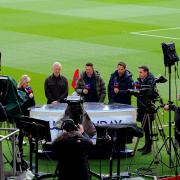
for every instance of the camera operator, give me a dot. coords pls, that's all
(70, 148)
(143, 104)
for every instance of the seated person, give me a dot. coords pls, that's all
(70, 148)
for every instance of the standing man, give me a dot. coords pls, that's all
(143, 103)
(91, 85)
(119, 82)
(56, 86)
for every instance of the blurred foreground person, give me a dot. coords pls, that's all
(71, 147)
(56, 85)
(91, 85)
(119, 82)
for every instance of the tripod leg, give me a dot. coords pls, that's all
(136, 145)
(148, 132)
(18, 157)
(16, 162)
(2, 162)
(31, 153)
(176, 153)
(56, 173)
(134, 152)
(161, 132)
(147, 127)
(36, 156)
(111, 162)
(118, 160)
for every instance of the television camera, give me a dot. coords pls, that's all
(74, 110)
(148, 93)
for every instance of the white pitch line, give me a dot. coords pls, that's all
(143, 33)
(164, 29)
(152, 35)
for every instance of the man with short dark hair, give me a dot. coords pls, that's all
(91, 85)
(56, 85)
(120, 81)
(145, 78)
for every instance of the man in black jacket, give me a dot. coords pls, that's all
(56, 85)
(144, 114)
(119, 82)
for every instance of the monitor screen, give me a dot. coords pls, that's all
(36, 128)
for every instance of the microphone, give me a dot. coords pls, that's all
(116, 85)
(29, 90)
(87, 86)
(136, 85)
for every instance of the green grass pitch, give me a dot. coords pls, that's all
(36, 33)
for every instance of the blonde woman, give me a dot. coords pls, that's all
(24, 85)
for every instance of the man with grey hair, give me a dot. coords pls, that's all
(56, 85)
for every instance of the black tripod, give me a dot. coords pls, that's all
(115, 148)
(110, 175)
(170, 59)
(168, 142)
(147, 120)
(165, 145)
(120, 135)
(171, 164)
(146, 114)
